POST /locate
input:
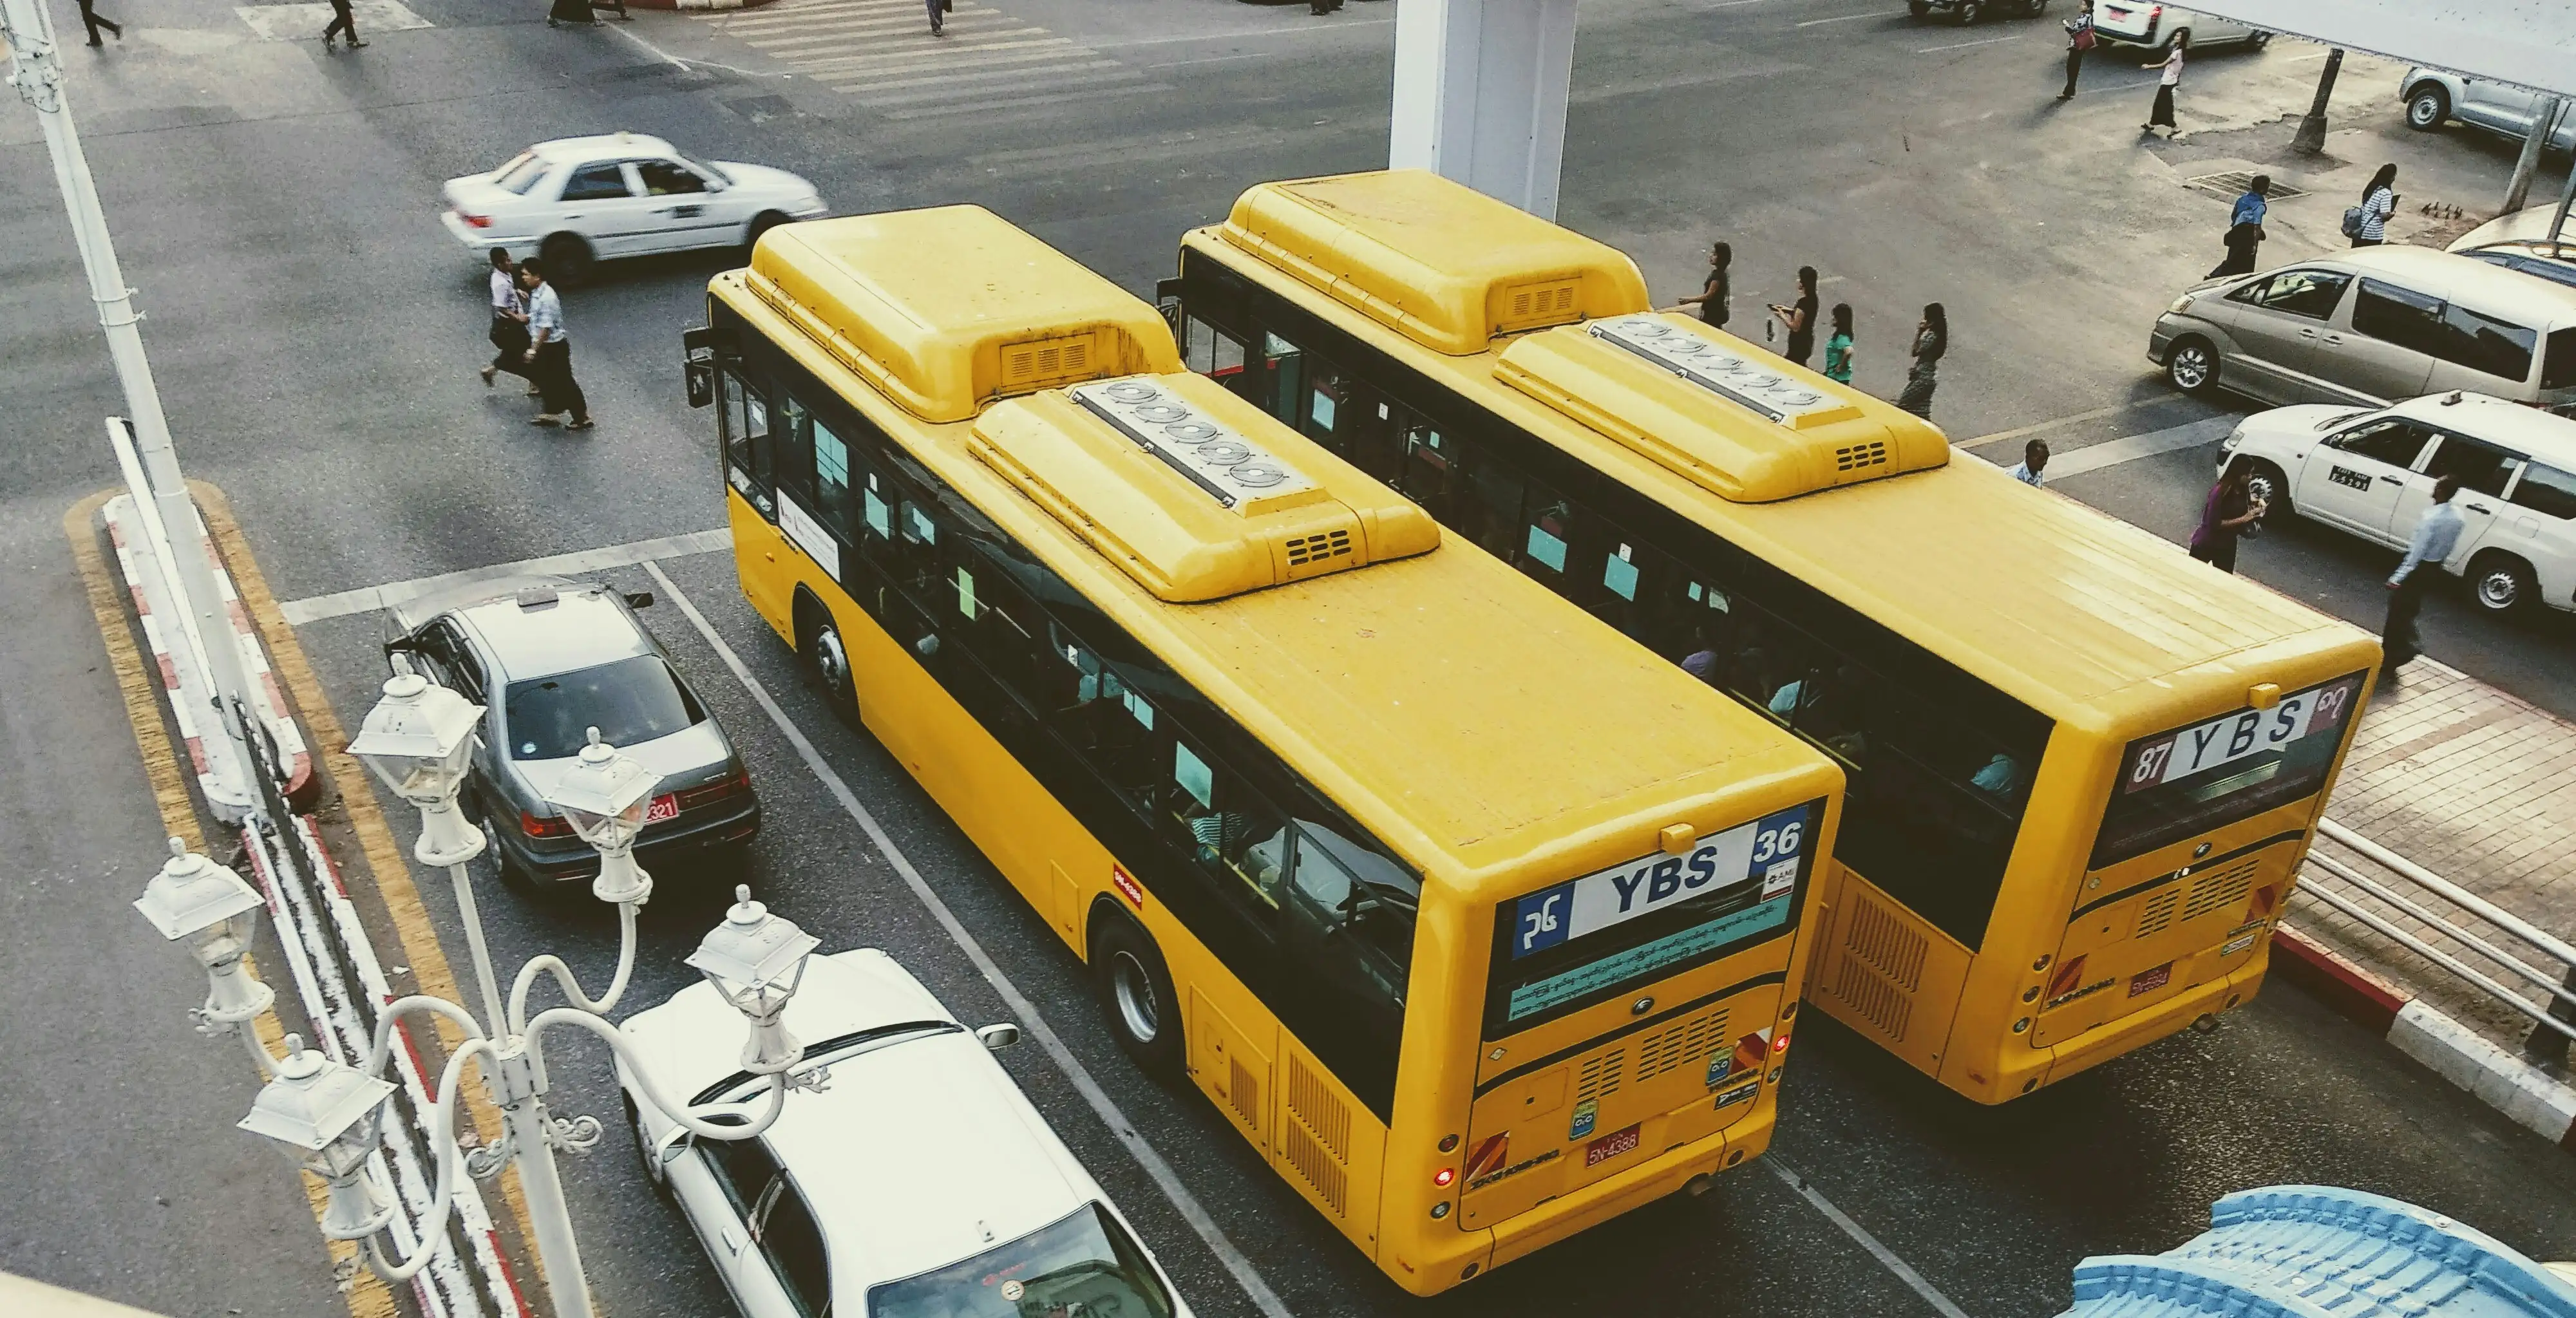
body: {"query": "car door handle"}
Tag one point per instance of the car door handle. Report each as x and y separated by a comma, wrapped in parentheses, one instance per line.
(572, 215)
(732, 1239)
(2479, 508)
(2334, 338)
(2307, 334)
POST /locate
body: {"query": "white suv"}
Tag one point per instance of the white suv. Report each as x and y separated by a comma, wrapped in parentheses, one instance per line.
(2371, 472)
(918, 1183)
(2141, 24)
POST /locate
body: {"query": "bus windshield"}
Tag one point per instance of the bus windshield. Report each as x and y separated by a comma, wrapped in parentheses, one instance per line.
(1589, 939)
(2188, 781)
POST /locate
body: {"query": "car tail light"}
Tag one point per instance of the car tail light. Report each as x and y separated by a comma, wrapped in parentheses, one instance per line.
(477, 221)
(545, 826)
(738, 781)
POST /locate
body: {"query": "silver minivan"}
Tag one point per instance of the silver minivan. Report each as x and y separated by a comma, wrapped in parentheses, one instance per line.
(2371, 325)
(2434, 97)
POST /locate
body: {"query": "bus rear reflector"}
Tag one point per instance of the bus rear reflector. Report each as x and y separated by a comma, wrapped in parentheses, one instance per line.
(2069, 977)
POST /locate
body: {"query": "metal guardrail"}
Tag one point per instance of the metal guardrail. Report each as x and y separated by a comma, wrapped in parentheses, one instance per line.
(2552, 1008)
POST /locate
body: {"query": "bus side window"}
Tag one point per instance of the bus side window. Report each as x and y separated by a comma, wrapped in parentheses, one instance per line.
(1213, 815)
(832, 482)
(794, 446)
(747, 445)
(1546, 545)
(1211, 351)
(1108, 723)
(1372, 433)
(1282, 379)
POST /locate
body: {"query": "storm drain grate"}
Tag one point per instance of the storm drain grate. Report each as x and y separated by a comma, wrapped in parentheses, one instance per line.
(2234, 182)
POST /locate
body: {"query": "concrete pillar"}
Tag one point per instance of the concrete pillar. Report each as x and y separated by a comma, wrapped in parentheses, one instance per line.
(2544, 120)
(2311, 137)
(1480, 94)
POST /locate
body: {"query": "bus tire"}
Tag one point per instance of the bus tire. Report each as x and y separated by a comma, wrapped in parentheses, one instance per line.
(826, 657)
(1136, 994)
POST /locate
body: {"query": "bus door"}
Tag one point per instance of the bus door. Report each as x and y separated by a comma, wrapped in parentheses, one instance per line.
(751, 466)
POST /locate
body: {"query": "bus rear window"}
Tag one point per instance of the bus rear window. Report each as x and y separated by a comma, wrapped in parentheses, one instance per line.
(2185, 782)
(1586, 940)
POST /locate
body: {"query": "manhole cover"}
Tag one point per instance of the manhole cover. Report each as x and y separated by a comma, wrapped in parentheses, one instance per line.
(2234, 182)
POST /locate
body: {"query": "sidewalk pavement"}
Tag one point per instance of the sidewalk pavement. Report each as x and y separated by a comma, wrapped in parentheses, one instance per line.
(2476, 786)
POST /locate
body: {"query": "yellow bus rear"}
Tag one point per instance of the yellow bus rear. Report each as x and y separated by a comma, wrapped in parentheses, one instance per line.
(1480, 922)
(2083, 769)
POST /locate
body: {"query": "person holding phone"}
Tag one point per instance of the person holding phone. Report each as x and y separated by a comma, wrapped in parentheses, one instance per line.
(1799, 318)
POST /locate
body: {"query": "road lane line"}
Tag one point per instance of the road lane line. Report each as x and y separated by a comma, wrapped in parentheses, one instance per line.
(1845, 18)
(1963, 45)
(1886, 1257)
(368, 599)
(2038, 427)
(1187, 1204)
(2190, 434)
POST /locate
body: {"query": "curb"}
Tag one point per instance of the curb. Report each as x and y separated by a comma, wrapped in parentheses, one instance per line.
(2535, 1099)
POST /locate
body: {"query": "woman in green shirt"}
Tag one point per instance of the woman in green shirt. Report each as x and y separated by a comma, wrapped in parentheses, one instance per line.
(1838, 349)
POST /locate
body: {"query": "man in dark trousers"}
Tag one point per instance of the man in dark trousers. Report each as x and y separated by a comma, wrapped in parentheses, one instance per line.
(550, 353)
(91, 20)
(2245, 228)
(342, 22)
(2437, 532)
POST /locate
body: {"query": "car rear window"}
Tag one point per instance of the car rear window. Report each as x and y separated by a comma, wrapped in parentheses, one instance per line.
(1085, 1266)
(521, 174)
(2558, 369)
(2547, 490)
(2490, 344)
(628, 700)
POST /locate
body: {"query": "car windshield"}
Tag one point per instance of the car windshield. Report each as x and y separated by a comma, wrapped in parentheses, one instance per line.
(521, 173)
(1085, 1266)
(709, 170)
(629, 701)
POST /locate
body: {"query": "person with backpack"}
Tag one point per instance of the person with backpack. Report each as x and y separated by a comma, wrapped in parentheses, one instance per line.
(2079, 39)
(2162, 114)
(2245, 228)
(2367, 223)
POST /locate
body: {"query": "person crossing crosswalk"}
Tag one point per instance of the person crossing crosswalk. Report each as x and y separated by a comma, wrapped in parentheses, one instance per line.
(979, 59)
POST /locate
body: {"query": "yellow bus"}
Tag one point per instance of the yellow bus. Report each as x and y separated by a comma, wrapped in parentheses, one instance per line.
(1475, 918)
(2083, 769)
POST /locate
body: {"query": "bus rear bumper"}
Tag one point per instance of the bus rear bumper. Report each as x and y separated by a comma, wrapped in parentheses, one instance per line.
(1728, 1149)
(2113, 1038)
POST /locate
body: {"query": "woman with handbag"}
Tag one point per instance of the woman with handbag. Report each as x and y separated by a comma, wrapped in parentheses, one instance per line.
(2230, 511)
(2079, 39)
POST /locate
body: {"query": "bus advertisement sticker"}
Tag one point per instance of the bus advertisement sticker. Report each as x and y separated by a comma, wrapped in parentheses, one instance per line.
(1740, 1093)
(1611, 1145)
(1720, 1066)
(1585, 1114)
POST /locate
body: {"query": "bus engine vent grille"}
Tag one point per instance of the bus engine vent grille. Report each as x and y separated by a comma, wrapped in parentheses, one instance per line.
(1318, 1110)
(2220, 888)
(1548, 302)
(1317, 1169)
(2158, 912)
(1305, 549)
(1601, 1076)
(1877, 938)
(1853, 457)
(1243, 1092)
(1681, 1043)
(1044, 363)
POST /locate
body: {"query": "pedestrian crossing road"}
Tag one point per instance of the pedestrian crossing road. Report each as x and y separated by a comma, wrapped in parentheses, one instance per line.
(881, 53)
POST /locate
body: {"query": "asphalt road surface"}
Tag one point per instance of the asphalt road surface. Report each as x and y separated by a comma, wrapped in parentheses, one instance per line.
(315, 332)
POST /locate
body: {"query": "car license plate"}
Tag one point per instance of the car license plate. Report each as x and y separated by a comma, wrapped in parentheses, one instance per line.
(1610, 1146)
(664, 807)
(2148, 981)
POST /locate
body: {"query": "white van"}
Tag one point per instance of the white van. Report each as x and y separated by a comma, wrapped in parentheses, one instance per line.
(2371, 472)
(2140, 24)
(2371, 325)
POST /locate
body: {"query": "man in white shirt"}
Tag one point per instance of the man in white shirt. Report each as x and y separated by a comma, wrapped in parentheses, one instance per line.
(550, 352)
(2437, 532)
(2034, 462)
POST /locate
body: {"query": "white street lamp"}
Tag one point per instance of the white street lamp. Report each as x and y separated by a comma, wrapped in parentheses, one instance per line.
(418, 739)
(211, 907)
(757, 960)
(605, 796)
(323, 1112)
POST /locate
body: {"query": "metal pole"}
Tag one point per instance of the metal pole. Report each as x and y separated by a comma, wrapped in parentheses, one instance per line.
(2558, 222)
(2543, 120)
(557, 1251)
(498, 1025)
(2311, 137)
(36, 71)
(2547, 1048)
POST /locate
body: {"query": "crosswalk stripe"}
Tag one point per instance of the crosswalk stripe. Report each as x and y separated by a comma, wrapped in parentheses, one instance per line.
(855, 22)
(809, 18)
(1005, 52)
(1026, 102)
(946, 84)
(910, 46)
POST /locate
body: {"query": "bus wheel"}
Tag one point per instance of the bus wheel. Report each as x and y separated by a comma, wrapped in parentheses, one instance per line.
(1136, 993)
(827, 659)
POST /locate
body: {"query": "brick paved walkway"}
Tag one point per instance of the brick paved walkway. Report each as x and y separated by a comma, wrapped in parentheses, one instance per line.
(2478, 787)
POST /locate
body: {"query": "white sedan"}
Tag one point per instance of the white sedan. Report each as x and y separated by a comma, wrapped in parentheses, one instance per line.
(918, 1183)
(579, 200)
(2370, 471)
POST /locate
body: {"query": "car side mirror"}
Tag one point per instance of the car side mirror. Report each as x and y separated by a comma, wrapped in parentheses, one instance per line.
(698, 364)
(639, 599)
(998, 1036)
(667, 1150)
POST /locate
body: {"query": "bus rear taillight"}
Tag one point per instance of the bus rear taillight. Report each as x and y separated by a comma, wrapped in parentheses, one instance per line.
(1443, 1177)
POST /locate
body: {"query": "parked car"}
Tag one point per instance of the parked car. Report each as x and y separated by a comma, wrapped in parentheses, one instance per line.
(2371, 472)
(2434, 97)
(2522, 241)
(579, 200)
(918, 1183)
(1973, 11)
(2370, 325)
(2137, 24)
(549, 659)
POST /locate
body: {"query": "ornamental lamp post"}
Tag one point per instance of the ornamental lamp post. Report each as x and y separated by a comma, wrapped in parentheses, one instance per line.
(418, 739)
(756, 960)
(323, 1113)
(194, 899)
(605, 796)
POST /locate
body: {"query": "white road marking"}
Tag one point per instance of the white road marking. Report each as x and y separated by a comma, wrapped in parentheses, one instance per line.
(1963, 45)
(1335, 26)
(371, 598)
(1886, 1257)
(1845, 18)
(2190, 434)
(881, 54)
(2039, 427)
(1263, 1298)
